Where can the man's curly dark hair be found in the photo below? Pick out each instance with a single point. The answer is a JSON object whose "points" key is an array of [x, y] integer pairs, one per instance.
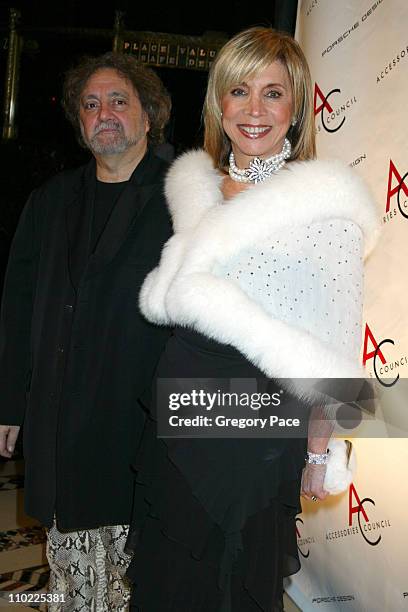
{"points": [[153, 96]]}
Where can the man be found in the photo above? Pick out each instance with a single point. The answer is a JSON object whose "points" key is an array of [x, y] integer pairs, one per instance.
{"points": [[75, 353]]}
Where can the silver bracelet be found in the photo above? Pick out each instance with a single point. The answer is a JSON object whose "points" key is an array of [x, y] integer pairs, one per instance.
{"points": [[317, 459]]}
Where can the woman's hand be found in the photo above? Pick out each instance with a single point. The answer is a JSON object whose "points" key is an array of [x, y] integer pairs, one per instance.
{"points": [[8, 439], [312, 481]]}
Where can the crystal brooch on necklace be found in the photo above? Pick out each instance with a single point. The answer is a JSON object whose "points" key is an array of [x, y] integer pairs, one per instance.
{"points": [[259, 170]]}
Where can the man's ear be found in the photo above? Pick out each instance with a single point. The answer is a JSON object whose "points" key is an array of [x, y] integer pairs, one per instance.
{"points": [[147, 122]]}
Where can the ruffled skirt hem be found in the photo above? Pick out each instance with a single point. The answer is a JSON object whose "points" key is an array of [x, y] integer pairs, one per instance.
{"points": [[214, 525]]}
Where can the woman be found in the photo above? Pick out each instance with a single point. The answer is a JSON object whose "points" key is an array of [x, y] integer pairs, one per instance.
{"points": [[261, 278]]}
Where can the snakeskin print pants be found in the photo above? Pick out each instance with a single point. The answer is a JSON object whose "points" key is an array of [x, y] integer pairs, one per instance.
{"points": [[89, 567]]}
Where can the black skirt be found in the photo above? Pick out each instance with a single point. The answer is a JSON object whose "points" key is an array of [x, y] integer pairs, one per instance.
{"points": [[213, 525]]}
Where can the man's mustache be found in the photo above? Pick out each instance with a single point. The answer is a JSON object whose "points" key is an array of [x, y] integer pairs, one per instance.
{"points": [[107, 125]]}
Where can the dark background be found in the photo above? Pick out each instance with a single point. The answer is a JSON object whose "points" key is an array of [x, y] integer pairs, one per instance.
{"points": [[45, 143]]}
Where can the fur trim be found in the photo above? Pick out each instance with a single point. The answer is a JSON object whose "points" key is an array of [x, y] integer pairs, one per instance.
{"points": [[155, 286], [183, 289], [190, 193], [340, 469], [300, 194], [219, 309]]}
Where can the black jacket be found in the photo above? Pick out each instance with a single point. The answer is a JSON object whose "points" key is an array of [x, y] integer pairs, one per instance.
{"points": [[75, 353]]}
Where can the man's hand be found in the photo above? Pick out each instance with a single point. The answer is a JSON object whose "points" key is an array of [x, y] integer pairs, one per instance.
{"points": [[312, 481], [8, 438]]}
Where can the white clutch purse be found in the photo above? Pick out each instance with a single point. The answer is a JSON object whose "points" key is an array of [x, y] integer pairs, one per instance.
{"points": [[341, 466]]}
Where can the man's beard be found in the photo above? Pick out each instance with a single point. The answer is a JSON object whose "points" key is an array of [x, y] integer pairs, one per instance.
{"points": [[113, 144]]}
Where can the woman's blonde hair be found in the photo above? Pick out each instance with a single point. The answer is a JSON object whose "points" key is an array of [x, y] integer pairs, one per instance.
{"points": [[245, 55]]}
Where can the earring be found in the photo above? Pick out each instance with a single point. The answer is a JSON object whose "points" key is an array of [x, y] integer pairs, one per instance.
{"points": [[294, 122], [221, 114]]}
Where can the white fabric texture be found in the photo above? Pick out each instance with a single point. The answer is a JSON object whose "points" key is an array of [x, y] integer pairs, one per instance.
{"points": [[197, 283], [301, 289]]}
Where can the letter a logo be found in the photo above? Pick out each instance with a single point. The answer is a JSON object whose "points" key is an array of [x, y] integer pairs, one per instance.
{"points": [[355, 509], [393, 190], [324, 102], [368, 335]]}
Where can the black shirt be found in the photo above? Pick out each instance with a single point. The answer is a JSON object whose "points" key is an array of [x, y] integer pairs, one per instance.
{"points": [[106, 196]]}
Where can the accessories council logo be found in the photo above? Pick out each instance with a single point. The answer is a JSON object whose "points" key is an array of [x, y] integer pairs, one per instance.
{"points": [[331, 109], [303, 542], [363, 519], [371, 530], [397, 193], [386, 372]]}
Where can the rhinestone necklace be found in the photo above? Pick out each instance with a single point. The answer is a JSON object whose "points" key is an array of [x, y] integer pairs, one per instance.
{"points": [[259, 169]]}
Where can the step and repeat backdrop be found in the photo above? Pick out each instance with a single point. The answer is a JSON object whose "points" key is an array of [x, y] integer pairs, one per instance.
{"points": [[354, 546]]}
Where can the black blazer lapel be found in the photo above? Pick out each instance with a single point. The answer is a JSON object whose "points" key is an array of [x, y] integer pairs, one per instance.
{"points": [[145, 181], [78, 223]]}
